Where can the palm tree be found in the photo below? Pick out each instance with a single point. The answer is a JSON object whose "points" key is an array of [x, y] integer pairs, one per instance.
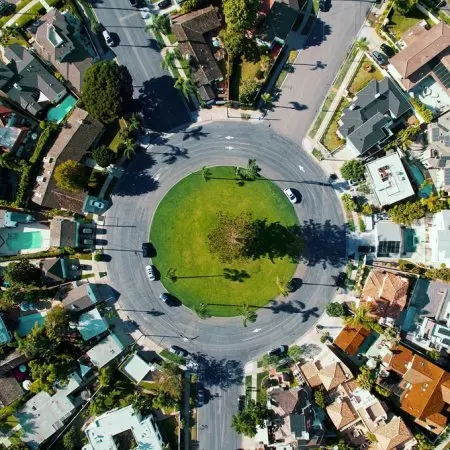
{"points": [[247, 315], [185, 85], [171, 274], [160, 24], [362, 44], [360, 316], [282, 287], [129, 148], [134, 122], [267, 98], [206, 173], [404, 142], [202, 310], [168, 60]]}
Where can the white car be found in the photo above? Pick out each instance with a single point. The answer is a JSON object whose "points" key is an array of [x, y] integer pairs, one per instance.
{"points": [[290, 195], [150, 273], [97, 204], [108, 39]]}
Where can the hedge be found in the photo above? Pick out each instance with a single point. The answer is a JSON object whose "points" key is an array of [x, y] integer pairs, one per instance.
{"points": [[422, 110], [49, 133], [22, 188], [38, 255]]}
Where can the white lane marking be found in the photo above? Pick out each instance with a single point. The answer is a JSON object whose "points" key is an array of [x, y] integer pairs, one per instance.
{"points": [[301, 168], [228, 147], [256, 330], [229, 137]]}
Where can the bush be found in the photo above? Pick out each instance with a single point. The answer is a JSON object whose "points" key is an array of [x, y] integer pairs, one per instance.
{"points": [[353, 170], [320, 398], [247, 92], [382, 391], [367, 209], [51, 129], [422, 110], [71, 175], [335, 309], [22, 188], [103, 156], [98, 256], [349, 203], [318, 154], [362, 225]]}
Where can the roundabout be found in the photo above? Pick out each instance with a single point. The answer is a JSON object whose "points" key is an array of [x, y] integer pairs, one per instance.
{"points": [[195, 275]]}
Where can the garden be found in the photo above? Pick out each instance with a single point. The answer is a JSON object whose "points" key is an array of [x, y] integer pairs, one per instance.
{"points": [[198, 227]]}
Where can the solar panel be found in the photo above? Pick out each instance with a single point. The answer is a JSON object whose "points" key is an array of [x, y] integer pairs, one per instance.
{"points": [[447, 140], [388, 247], [444, 331], [443, 74], [435, 134], [446, 341]]}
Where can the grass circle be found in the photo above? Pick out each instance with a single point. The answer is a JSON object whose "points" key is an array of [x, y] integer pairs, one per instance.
{"points": [[179, 233]]}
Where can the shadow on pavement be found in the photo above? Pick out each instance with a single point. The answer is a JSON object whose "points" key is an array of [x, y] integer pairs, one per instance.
{"points": [[223, 373], [321, 31]]}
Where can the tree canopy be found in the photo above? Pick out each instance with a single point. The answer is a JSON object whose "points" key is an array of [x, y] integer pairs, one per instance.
{"points": [[247, 91], [246, 421], [407, 213], [353, 170], [240, 15], [107, 90], [295, 353], [71, 176], [234, 42], [335, 309], [366, 378], [405, 6], [103, 156], [22, 273]]}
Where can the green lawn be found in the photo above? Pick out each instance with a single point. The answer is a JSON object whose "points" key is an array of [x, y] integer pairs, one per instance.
{"points": [[30, 16], [179, 233], [398, 24], [363, 77], [331, 140]]}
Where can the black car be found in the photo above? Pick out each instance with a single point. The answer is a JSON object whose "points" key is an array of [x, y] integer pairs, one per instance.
{"points": [[164, 4], [294, 284], [281, 350], [134, 3], [148, 251], [178, 351], [340, 279], [379, 58], [323, 5], [387, 49], [241, 403]]}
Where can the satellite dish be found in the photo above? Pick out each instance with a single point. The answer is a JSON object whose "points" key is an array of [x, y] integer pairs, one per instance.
{"points": [[26, 385]]}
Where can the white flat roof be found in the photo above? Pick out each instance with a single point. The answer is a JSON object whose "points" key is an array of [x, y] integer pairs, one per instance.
{"points": [[136, 368], [103, 429], [389, 179], [105, 351]]}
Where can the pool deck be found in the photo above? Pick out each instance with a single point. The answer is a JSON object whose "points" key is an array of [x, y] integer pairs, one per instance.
{"points": [[24, 228]]}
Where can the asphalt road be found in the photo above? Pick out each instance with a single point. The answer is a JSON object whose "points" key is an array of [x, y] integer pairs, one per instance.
{"points": [[315, 67], [223, 345], [161, 105]]}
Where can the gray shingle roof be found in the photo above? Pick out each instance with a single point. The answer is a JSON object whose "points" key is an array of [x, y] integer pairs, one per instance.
{"points": [[10, 390]]}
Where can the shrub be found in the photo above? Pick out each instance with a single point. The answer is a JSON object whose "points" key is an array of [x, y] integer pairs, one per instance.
{"points": [[367, 209], [362, 225], [335, 309], [50, 130], [422, 110], [353, 170], [349, 203], [103, 156], [320, 398], [247, 92], [22, 188], [382, 391], [71, 175]]}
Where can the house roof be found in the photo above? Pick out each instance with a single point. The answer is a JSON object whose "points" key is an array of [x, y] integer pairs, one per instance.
{"points": [[63, 233], [373, 109], [439, 237], [54, 268], [426, 46], [80, 298], [24, 79], [388, 231], [105, 351], [61, 39], [189, 30], [333, 375], [136, 368], [10, 390], [12, 361], [393, 434], [91, 324], [351, 338], [387, 292], [341, 412], [311, 373], [286, 400], [80, 133], [278, 22]]}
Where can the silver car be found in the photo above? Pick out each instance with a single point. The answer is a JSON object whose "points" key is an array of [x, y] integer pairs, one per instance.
{"points": [[150, 273], [290, 195]]}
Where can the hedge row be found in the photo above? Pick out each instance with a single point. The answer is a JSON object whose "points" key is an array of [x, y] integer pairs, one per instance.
{"points": [[38, 255], [49, 133], [422, 110]]}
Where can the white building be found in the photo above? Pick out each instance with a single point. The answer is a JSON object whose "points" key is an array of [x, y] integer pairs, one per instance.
{"points": [[389, 180], [123, 428], [105, 351], [439, 234]]}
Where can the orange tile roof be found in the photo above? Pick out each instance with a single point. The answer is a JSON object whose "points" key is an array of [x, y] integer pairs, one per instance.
{"points": [[334, 375], [350, 338], [399, 358], [393, 434], [341, 413]]}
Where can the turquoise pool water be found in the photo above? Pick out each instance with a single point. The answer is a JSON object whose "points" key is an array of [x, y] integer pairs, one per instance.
{"points": [[424, 191], [410, 240], [26, 323], [24, 241], [58, 112]]}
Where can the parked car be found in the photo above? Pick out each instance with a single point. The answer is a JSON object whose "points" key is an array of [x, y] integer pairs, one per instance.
{"points": [[281, 350], [379, 57], [340, 280], [87, 230], [134, 3], [108, 39], [87, 241], [323, 5], [387, 49], [290, 195], [178, 351], [293, 284], [148, 250], [97, 203], [163, 4], [241, 403], [164, 297], [150, 273]]}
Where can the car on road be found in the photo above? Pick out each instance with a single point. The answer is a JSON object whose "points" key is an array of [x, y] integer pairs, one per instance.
{"points": [[281, 350], [108, 39], [163, 4], [323, 5], [387, 49], [147, 250], [97, 204], [150, 273], [379, 58], [290, 195], [164, 297], [241, 403], [340, 280], [178, 351]]}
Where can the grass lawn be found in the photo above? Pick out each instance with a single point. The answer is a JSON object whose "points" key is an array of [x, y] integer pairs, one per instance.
{"points": [[363, 77], [398, 24], [331, 140], [249, 69], [30, 16], [261, 396], [180, 231], [9, 423]]}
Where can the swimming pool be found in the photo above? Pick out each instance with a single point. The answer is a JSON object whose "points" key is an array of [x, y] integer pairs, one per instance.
{"points": [[58, 112], [26, 240], [26, 323], [424, 191]]}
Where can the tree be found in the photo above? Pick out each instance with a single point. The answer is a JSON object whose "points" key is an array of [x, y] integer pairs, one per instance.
{"points": [[71, 176], [366, 378], [234, 42], [360, 316], [71, 439], [206, 173], [128, 147], [107, 90], [424, 443], [103, 156], [434, 354], [240, 15], [405, 6], [105, 376], [202, 311], [367, 209], [246, 421], [407, 213], [248, 315], [349, 203], [134, 122], [9, 161], [267, 98], [11, 297], [247, 91], [231, 238], [185, 85], [170, 382], [320, 398], [335, 309], [353, 170], [295, 353], [252, 170], [168, 60], [269, 361], [56, 323], [36, 343], [160, 24], [362, 44], [22, 273], [434, 203], [342, 445]]}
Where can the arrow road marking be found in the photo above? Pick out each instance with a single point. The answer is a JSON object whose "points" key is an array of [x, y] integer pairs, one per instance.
{"points": [[227, 147], [256, 330], [229, 137], [301, 168]]}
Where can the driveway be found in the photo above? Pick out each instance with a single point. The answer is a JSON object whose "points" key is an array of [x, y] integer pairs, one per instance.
{"points": [[315, 68], [161, 105]]}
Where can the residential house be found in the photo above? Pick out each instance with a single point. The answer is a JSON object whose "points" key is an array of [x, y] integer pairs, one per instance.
{"points": [[44, 414], [10, 390], [55, 270], [11, 361], [91, 324], [296, 421], [389, 239], [63, 232], [14, 130], [439, 238], [426, 54], [423, 388], [123, 428], [386, 294], [62, 40], [368, 122], [389, 180], [27, 82], [194, 31], [350, 339], [136, 368], [86, 296], [105, 351], [80, 134]]}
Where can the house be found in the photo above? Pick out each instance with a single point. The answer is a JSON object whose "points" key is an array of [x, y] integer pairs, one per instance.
{"points": [[296, 421], [422, 387], [123, 428], [10, 390], [439, 238], [389, 180], [27, 82], [44, 414], [5, 335], [368, 122], [91, 324], [137, 368], [386, 294], [62, 40], [426, 54], [14, 129], [105, 351], [85, 297], [63, 232], [193, 31], [80, 134], [11, 361], [350, 339], [55, 270], [389, 239]]}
